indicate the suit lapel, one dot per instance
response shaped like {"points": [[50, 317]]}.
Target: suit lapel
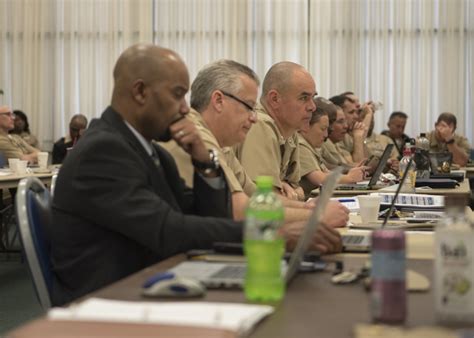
{"points": [[158, 176]]}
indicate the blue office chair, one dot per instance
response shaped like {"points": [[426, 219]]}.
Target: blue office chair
{"points": [[33, 211]]}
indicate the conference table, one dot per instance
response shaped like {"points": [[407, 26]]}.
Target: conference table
{"points": [[10, 180], [312, 307], [463, 191]]}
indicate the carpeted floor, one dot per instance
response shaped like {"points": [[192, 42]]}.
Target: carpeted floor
{"points": [[18, 303]]}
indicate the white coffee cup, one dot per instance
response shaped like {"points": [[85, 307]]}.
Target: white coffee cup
{"points": [[12, 163], [21, 167], [369, 206], [43, 160]]}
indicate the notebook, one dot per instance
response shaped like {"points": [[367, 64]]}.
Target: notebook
{"points": [[372, 184], [231, 275]]}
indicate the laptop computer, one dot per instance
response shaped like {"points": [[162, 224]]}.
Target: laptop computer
{"points": [[232, 275], [437, 161], [372, 184]]}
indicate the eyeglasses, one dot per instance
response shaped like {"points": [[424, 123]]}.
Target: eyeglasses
{"points": [[249, 107], [9, 113]]}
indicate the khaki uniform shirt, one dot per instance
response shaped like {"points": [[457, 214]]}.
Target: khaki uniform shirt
{"points": [[266, 152], [235, 175], [438, 147], [376, 145], [310, 160], [332, 154], [13, 146]]}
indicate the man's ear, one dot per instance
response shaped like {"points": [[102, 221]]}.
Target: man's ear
{"points": [[273, 98], [139, 91], [217, 100]]}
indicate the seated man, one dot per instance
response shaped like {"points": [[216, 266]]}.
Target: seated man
{"points": [[13, 145], [271, 146], [119, 203], [77, 126], [223, 95], [396, 128], [352, 146], [444, 138]]}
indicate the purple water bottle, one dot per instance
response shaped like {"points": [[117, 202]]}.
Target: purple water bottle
{"points": [[388, 290]]}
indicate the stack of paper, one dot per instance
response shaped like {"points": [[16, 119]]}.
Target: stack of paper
{"points": [[239, 318]]}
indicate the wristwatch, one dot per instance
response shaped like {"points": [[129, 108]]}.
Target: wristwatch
{"points": [[208, 167], [451, 141]]}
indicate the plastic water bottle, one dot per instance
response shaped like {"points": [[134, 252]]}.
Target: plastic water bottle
{"points": [[422, 158], [454, 265], [263, 245], [409, 184]]}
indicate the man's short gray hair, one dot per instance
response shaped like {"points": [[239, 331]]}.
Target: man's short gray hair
{"points": [[220, 75]]}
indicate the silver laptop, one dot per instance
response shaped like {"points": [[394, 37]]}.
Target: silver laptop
{"points": [[232, 275], [372, 184]]}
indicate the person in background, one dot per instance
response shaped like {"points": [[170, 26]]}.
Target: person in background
{"points": [[352, 146], [333, 152], [312, 168], [396, 131], [22, 128], [13, 145], [77, 126], [444, 138]]}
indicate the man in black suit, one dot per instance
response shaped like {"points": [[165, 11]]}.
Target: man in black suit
{"points": [[119, 203]]}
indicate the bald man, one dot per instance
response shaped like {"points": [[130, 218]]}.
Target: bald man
{"points": [[271, 146], [13, 145], [119, 203]]}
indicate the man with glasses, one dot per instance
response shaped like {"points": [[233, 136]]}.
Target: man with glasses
{"points": [[13, 145], [77, 126], [223, 97], [271, 147]]}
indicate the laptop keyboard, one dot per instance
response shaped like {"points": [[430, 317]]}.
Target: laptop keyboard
{"points": [[230, 272], [352, 239]]}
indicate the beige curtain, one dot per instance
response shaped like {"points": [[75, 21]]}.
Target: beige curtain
{"points": [[414, 56], [56, 56]]}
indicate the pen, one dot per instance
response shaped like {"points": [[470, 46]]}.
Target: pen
{"points": [[344, 200]]}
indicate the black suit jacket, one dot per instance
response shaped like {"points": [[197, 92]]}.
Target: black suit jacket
{"points": [[115, 213]]}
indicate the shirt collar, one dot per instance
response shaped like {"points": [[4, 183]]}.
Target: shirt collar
{"points": [[147, 145]]}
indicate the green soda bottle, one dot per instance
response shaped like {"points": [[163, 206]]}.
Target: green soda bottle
{"points": [[263, 246]]}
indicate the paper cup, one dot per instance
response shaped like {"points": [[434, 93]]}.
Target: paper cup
{"points": [[369, 208], [21, 167], [43, 160], [12, 163]]}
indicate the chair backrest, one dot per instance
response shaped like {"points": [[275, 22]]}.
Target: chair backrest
{"points": [[3, 160], [33, 211], [53, 184]]}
